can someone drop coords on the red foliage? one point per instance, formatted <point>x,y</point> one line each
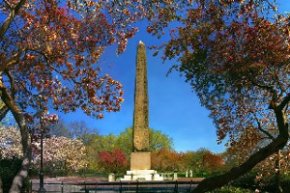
<point>212,161</point>
<point>113,161</point>
<point>166,160</point>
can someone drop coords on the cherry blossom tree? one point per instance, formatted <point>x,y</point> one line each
<point>10,143</point>
<point>235,55</point>
<point>71,152</point>
<point>50,54</point>
<point>273,166</point>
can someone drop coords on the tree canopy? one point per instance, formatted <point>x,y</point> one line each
<point>234,54</point>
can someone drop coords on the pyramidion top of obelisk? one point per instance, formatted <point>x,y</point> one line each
<point>141,43</point>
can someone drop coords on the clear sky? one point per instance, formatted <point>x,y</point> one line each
<point>174,108</point>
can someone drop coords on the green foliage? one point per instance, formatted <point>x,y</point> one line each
<point>270,184</point>
<point>97,143</point>
<point>201,167</point>
<point>247,181</point>
<point>231,189</point>
<point>158,140</point>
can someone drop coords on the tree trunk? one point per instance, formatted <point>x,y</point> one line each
<point>18,180</point>
<point>277,144</point>
<point>1,188</point>
<point>26,145</point>
<point>218,181</point>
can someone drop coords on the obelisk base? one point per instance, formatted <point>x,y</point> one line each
<point>140,161</point>
<point>142,175</point>
<point>140,168</point>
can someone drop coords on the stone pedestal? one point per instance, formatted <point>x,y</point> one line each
<point>111,177</point>
<point>141,168</point>
<point>142,175</point>
<point>140,161</point>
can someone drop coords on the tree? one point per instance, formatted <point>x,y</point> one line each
<point>49,54</point>
<point>273,166</point>
<point>96,143</point>
<point>237,60</point>
<point>10,143</point>
<point>202,163</point>
<point>59,129</point>
<point>212,161</point>
<point>57,149</point>
<point>166,160</point>
<point>70,152</point>
<point>114,161</point>
<point>158,141</point>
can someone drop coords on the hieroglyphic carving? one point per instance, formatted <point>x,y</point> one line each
<point>140,122</point>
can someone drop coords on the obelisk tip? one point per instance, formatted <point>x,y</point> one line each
<point>141,43</point>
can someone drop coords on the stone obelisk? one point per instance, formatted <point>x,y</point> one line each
<point>141,157</point>
<point>140,163</point>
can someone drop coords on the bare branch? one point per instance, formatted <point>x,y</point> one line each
<point>262,130</point>
<point>266,87</point>
<point>271,5</point>
<point>8,4</point>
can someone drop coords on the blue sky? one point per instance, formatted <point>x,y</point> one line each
<point>174,108</point>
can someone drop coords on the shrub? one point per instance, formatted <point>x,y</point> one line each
<point>8,169</point>
<point>231,189</point>
<point>248,181</point>
<point>271,186</point>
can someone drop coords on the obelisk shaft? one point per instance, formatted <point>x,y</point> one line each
<point>140,122</point>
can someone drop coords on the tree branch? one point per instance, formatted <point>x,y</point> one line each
<point>277,143</point>
<point>262,130</point>
<point>8,4</point>
<point>220,180</point>
<point>12,82</point>
<point>18,115</point>
<point>3,111</point>
<point>284,102</point>
<point>266,87</point>
<point>13,60</point>
<point>13,12</point>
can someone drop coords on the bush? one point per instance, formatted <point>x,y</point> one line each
<point>271,186</point>
<point>248,181</point>
<point>231,189</point>
<point>8,169</point>
<point>267,185</point>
